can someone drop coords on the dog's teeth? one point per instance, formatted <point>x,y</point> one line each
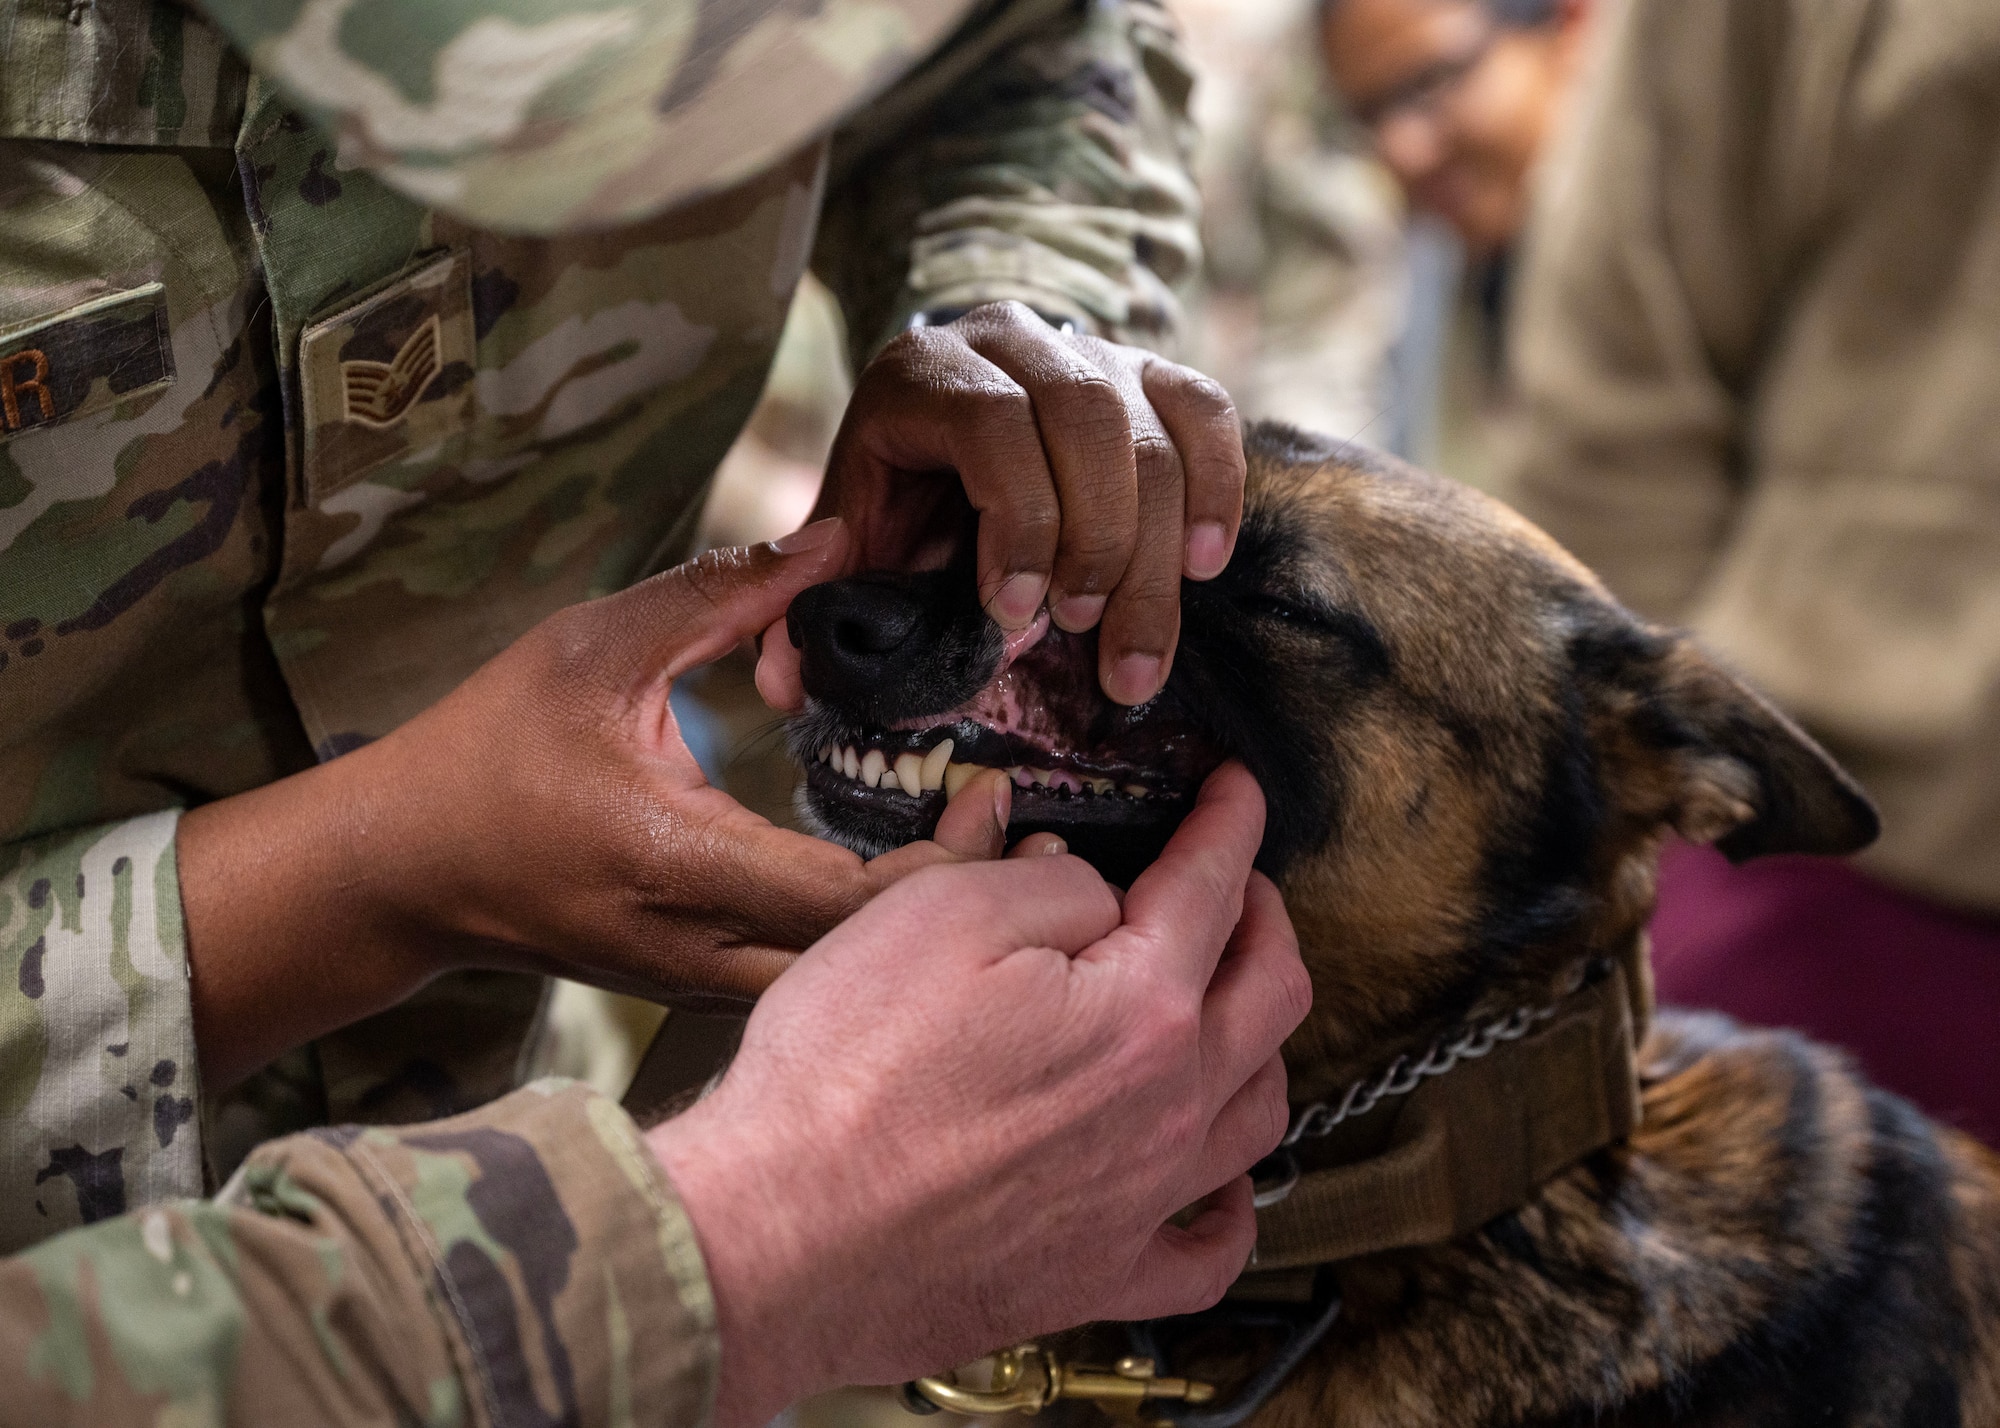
<point>909,772</point>
<point>850,762</point>
<point>873,767</point>
<point>957,776</point>
<point>1137,790</point>
<point>1101,785</point>
<point>829,755</point>
<point>1022,778</point>
<point>931,774</point>
<point>1041,776</point>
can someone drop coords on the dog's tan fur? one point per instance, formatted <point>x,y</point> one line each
<point>1471,755</point>
<point>1700,1272</point>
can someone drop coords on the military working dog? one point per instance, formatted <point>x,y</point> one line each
<point>1471,754</point>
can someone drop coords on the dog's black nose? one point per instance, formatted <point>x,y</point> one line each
<point>882,648</point>
<point>851,632</point>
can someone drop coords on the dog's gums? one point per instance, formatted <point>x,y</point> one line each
<point>1113,782</point>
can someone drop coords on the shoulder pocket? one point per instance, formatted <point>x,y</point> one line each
<point>89,357</point>
<point>389,375</point>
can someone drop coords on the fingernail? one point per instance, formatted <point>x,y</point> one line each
<point>1003,801</point>
<point>1056,847</point>
<point>1077,613</point>
<point>808,537</point>
<point>1015,603</point>
<point>1134,679</point>
<point>1207,550</point>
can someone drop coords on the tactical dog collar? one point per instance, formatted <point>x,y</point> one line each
<point>1486,1116</point>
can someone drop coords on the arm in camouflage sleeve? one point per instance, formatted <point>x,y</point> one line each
<point>525,1263</point>
<point>97,1066</point>
<point>1043,155</point>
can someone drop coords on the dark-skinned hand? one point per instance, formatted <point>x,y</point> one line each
<point>544,816</point>
<point>1101,475</point>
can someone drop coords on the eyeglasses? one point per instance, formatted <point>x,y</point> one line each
<point>1423,92</point>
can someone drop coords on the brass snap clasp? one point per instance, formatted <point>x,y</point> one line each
<point>1029,1378</point>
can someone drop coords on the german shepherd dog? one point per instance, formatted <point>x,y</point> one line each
<point>1471,754</point>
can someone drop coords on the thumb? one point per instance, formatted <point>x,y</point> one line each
<point>1187,1268</point>
<point>698,611</point>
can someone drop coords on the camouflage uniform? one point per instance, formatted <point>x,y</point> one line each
<point>320,384</point>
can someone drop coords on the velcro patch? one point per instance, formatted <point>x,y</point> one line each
<point>84,359</point>
<point>388,375</point>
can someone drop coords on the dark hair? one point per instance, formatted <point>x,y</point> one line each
<point>1515,14</point>
<point>1523,14</point>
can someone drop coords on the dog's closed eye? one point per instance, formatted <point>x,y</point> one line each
<point>1297,610</point>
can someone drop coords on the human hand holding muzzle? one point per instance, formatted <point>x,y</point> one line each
<point>968,1115</point>
<point>545,816</point>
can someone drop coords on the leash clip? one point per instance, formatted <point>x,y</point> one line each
<point>1029,1378</point>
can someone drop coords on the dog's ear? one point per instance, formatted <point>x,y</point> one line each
<point>1721,763</point>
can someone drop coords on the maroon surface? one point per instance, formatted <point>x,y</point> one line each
<point>1910,988</point>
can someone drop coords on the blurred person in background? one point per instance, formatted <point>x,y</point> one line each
<point>1757,351</point>
<point>1459,98</point>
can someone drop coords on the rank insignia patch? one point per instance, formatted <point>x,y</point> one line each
<point>388,375</point>
<point>84,359</point>
<point>378,393</point>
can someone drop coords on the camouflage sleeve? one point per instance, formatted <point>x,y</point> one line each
<point>97,1068</point>
<point>524,1263</point>
<point>1042,155</point>
<point>545,116</point>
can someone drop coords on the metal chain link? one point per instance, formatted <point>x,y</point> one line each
<point>1402,1076</point>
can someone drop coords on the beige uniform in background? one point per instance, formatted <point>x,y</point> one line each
<point>1758,347</point>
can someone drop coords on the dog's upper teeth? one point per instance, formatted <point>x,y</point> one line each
<point>918,773</point>
<point>930,774</point>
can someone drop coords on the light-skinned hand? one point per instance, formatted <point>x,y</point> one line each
<point>967,1115</point>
